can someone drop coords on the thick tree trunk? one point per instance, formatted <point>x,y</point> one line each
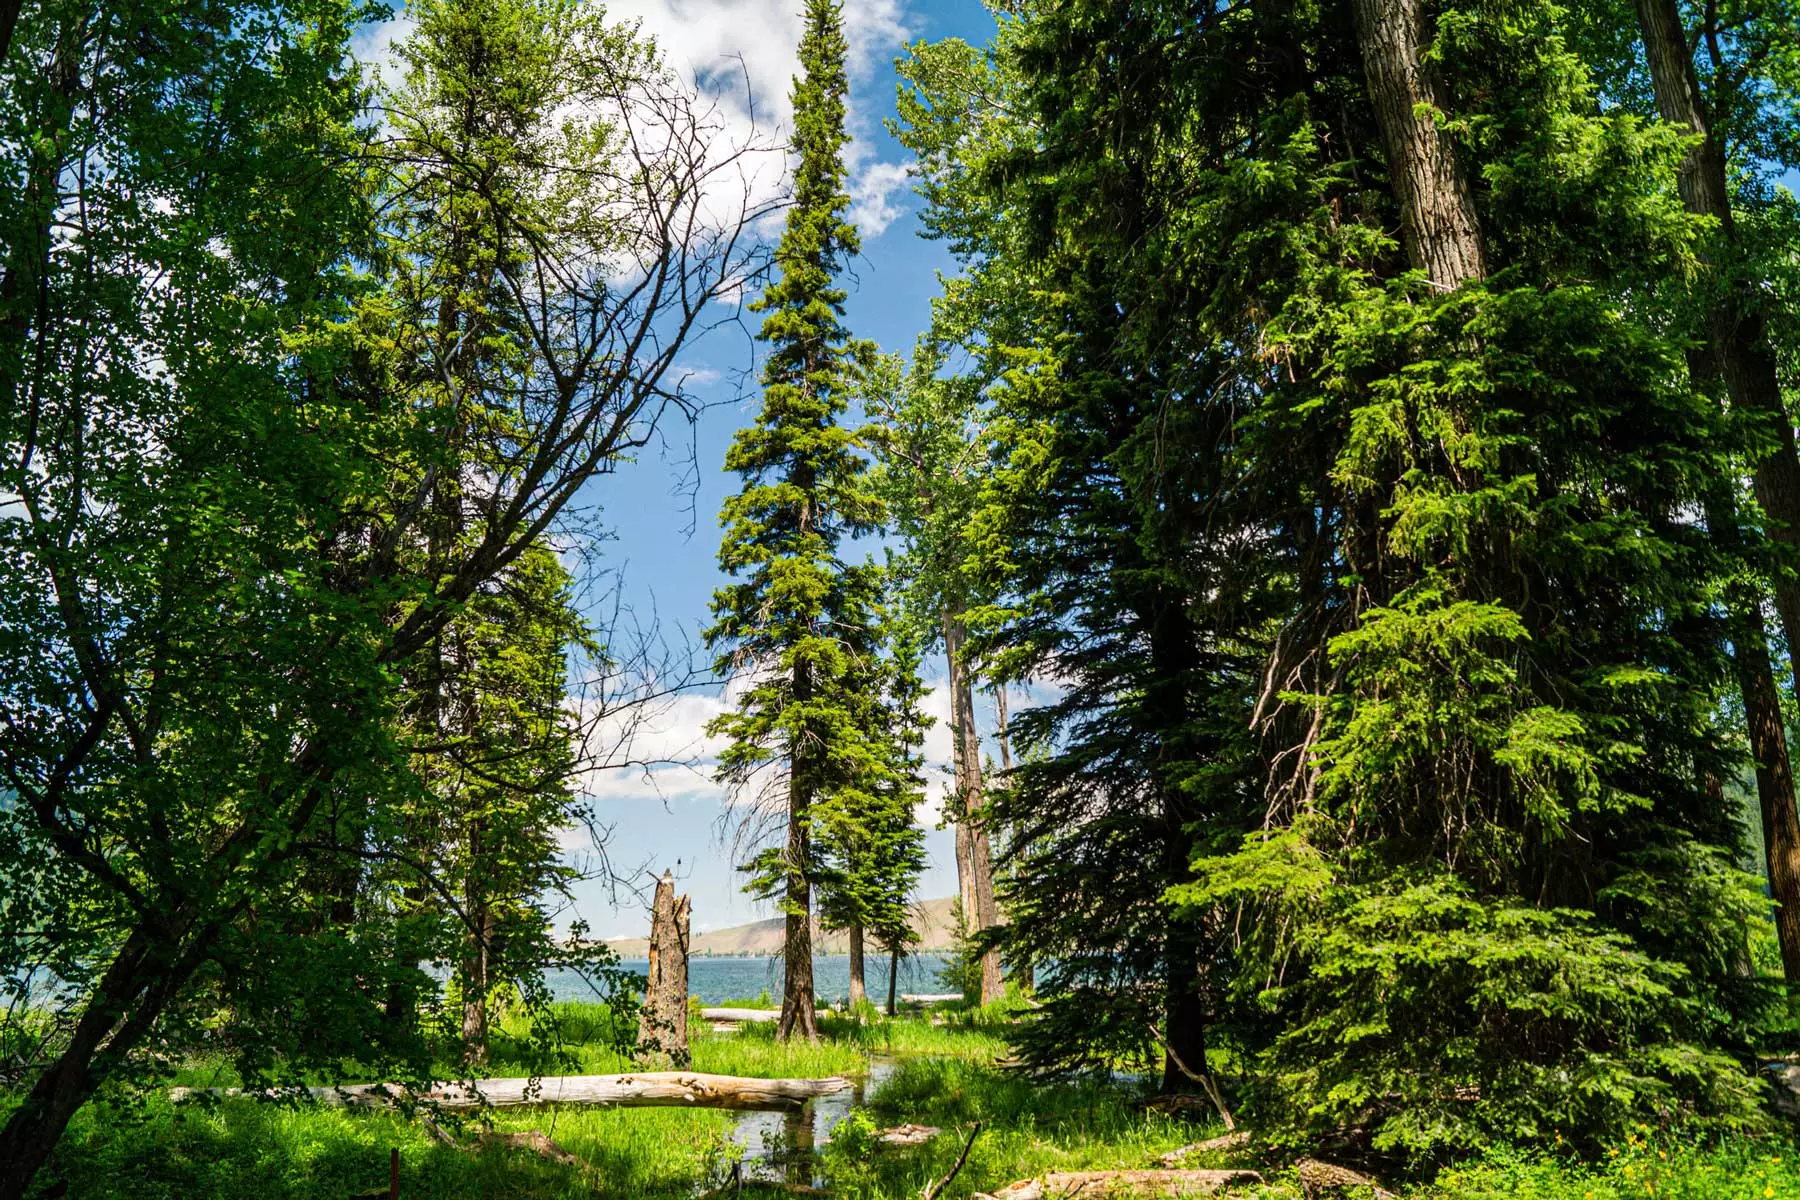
<point>984,914</point>
<point>859,994</point>
<point>475,985</point>
<point>663,1022</point>
<point>797,1016</point>
<point>1440,228</point>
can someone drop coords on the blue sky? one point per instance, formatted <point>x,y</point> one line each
<point>661,513</point>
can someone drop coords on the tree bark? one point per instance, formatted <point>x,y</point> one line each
<point>1440,228</point>
<point>475,984</point>
<point>797,1016</point>
<point>859,994</point>
<point>984,915</point>
<point>663,1021</point>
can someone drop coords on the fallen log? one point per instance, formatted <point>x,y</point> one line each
<point>645,1089</point>
<point>740,1014</point>
<point>1121,1185</point>
<point>930,997</point>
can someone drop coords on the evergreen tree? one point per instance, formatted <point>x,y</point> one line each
<point>1379,551</point>
<point>801,625</point>
<point>871,847</point>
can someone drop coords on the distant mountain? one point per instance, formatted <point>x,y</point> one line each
<point>759,939</point>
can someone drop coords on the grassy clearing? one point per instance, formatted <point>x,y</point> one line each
<point>945,1077</point>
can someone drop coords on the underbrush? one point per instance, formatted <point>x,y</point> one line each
<point>1028,1129</point>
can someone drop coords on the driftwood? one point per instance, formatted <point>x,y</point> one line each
<point>645,1089</point>
<point>740,1015</point>
<point>906,1135</point>
<point>1135,1185</point>
<point>1320,1179</point>
<point>662,1022</point>
<point>930,997</point>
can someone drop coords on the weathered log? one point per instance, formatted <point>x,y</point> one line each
<point>645,1089</point>
<point>742,1015</point>
<point>1223,1144</point>
<point>662,1023</point>
<point>930,997</point>
<point>1121,1184</point>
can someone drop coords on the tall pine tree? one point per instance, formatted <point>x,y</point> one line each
<point>799,624</point>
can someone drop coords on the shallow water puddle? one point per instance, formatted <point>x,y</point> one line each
<point>785,1145</point>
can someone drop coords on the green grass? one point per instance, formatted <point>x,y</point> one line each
<point>242,1149</point>
<point>945,1076</point>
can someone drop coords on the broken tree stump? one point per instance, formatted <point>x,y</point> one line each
<point>662,1024</point>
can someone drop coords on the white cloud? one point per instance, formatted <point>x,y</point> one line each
<point>745,54</point>
<point>373,47</point>
<point>876,197</point>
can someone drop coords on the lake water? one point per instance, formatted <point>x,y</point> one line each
<point>716,980</point>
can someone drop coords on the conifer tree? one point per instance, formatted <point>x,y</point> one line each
<point>800,623</point>
<point>871,847</point>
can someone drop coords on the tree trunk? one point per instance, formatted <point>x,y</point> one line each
<point>797,1016</point>
<point>1439,225</point>
<point>1774,781</point>
<point>893,976</point>
<point>663,1022</point>
<point>859,995</point>
<point>9,21</point>
<point>143,977</point>
<point>1740,353</point>
<point>984,914</point>
<point>475,984</point>
<point>1766,731</point>
<point>1735,329</point>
